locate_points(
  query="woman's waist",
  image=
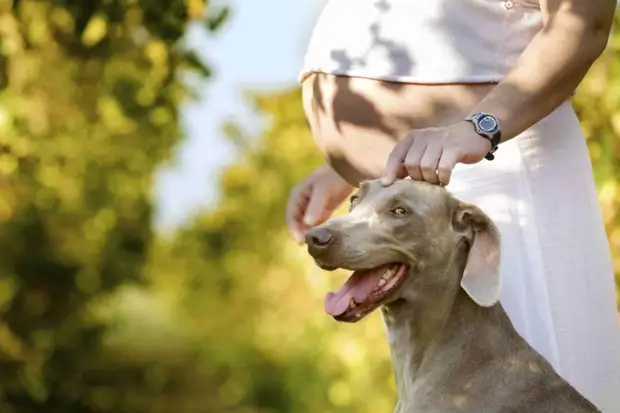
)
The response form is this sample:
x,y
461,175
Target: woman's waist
x,y
403,105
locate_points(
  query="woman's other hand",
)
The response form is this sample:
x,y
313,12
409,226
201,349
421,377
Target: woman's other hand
x,y
431,154
314,199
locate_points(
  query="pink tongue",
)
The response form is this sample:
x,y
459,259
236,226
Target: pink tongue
x,y
358,286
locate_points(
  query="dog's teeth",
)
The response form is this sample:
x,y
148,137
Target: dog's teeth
x,y
382,282
352,304
388,274
358,315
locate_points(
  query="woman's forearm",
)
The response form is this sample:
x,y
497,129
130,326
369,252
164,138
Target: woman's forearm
x,y
552,66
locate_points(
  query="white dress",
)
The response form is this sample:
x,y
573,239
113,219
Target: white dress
x,y
558,286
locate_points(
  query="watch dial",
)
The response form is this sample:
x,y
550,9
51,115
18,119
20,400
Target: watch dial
x,y
487,124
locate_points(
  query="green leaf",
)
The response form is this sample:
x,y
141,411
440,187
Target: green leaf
x,y
216,21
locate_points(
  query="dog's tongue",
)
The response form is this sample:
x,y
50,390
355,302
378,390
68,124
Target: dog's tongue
x,y
359,286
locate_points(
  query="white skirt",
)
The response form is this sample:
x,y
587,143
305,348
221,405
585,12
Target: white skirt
x,y
558,286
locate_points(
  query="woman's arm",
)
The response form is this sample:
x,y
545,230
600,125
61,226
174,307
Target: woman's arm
x,y
575,34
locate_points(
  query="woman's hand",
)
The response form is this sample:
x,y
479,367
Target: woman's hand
x,y
431,154
314,200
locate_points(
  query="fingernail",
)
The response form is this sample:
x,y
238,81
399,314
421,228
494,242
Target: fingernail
x,y
385,181
309,220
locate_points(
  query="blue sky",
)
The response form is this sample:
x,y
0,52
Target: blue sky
x,y
262,46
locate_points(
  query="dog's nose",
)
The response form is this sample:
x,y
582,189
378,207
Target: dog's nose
x,y
319,237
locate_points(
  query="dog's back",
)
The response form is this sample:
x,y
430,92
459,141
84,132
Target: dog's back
x,y
487,367
545,391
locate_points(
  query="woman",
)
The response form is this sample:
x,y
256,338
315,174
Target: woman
x,y
378,72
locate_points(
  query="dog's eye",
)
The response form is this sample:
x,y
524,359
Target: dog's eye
x,y
399,211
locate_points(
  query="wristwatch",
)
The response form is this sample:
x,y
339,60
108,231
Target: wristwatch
x,y
487,126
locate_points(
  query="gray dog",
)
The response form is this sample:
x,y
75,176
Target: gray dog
x,y
432,264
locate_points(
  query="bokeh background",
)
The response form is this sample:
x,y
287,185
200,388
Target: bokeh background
x,y
147,148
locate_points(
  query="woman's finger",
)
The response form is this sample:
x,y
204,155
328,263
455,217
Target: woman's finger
x,y
393,165
430,161
449,159
414,157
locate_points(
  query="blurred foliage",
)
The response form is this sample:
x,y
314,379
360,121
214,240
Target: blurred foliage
x,y
89,97
99,313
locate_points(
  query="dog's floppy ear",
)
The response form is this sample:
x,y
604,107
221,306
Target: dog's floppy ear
x,y
481,278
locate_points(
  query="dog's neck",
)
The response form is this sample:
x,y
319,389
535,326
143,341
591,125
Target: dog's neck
x,y
429,320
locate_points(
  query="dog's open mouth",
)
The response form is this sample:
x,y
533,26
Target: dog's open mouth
x,y
364,291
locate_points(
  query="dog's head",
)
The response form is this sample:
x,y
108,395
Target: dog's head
x,y
394,237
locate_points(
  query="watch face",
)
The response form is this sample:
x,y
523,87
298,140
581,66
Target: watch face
x,y
487,124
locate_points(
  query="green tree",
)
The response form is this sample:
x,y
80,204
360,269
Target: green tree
x,y
89,97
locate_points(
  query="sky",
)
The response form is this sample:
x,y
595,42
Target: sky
x,y
261,47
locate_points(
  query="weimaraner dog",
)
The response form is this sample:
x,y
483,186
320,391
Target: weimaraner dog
x,y
431,263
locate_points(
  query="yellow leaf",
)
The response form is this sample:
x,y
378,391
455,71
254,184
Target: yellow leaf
x,y
340,394
608,192
8,164
63,20
95,30
615,123
156,52
195,9
9,343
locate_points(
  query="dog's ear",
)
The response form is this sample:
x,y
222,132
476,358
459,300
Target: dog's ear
x,y
481,278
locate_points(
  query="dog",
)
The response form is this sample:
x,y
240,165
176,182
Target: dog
x,y
431,263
